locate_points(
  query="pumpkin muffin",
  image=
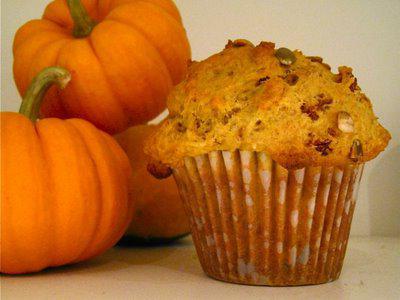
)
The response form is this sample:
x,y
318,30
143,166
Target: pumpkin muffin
x,y
267,147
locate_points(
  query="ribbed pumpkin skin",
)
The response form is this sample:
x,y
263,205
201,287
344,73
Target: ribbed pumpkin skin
x,y
63,192
121,72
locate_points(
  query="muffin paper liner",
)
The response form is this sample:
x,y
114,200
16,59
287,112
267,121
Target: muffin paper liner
x,y
255,222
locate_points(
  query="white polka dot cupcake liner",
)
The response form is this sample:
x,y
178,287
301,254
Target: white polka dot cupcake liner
x,y
255,222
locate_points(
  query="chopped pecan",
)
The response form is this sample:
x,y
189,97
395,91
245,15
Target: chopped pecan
x,y
225,119
207,126
159,170
236,110
345,74
240,133
310,139
180,127
229,44
237,43
310,111
216,141
319,60
332,132
338,78
267,45
323,103
262,80
315,59
258,125
229,114
291,79
323,146
354,85
197,123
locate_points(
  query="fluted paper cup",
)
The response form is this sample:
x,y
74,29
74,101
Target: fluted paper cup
x,y
255,222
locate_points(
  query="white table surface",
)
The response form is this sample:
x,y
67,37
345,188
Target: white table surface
x,y
371,271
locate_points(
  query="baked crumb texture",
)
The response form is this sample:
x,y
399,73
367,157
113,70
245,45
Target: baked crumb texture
x,y
245,98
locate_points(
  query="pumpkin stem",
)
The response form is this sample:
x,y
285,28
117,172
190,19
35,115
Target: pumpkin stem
x,y
37,89
83,24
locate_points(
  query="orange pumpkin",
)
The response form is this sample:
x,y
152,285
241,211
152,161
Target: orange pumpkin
x,y
124,57
64,187
159,216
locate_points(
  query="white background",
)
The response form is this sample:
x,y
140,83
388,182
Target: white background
x,y
362,34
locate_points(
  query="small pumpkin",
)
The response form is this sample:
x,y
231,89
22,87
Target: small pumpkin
x,y
124,57
159,216
64,186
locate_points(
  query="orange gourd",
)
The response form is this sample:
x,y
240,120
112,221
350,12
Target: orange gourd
x,y
159,216
63,186
124,57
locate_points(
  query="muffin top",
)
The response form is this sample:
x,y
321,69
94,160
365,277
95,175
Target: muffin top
x,y
276,101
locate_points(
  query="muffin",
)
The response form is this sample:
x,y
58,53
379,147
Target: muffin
x,y
267,147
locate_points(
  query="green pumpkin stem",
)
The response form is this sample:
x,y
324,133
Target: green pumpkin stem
x,y
33,97
83,24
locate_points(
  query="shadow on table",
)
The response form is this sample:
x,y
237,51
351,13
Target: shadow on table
x,y
178,256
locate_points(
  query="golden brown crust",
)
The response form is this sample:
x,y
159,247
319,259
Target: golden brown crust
x,y
245,98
